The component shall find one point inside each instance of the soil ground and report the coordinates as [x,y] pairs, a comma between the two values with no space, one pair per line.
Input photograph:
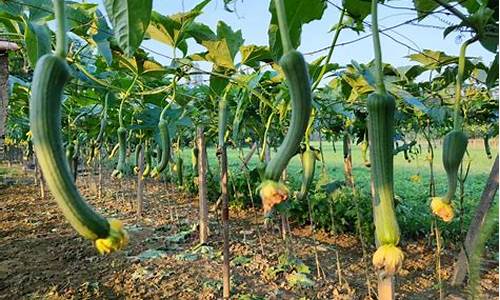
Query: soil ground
[41,256]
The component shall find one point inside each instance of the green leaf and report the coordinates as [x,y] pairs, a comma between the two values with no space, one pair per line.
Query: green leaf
[37,38]
[357,9]
[80,17]
[222,51]
[316,66]
[200,32]
[410,72]
[129,19]
[433,59]
[40,10]
[424,7]
[297,279]
[10,9]
[218,83]
[175,29]
[234,39]
[251,55]
[299,12]
[492,77]
[101,38]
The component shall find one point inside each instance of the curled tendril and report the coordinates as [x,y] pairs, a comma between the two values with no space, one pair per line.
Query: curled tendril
[116,240]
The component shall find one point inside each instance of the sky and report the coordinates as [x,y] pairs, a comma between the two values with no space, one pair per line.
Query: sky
[253,18]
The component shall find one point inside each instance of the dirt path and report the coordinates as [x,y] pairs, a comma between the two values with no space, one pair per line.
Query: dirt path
[41,257]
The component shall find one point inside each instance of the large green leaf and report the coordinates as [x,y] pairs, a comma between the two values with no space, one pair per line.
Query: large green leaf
[102,37]
[251,55]
[175,29]
[316,66]
[79,17]
[37,38]
[424,7]
[130,19]
[10,9]
[39,10]
[200,32]
[166,30]
[298,12]
[433,59]
[223,50]
[492,76]
[218,83]
[357,9]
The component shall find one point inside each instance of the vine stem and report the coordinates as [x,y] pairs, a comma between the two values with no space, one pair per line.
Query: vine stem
[379,71]
[460,78]
[264,140]
[340,26]
[127,93]
[309,129]
[283,26]
[61,44]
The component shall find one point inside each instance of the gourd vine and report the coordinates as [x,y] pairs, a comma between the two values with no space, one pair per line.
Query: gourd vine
[294,67]
[388,258]
[454,145]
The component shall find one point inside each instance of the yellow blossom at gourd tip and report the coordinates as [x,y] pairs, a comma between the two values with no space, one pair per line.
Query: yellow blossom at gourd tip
[388,258]
[442,209]
[272,193]
[116,240]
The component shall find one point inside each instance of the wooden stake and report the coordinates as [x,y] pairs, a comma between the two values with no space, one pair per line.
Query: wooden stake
[202,185]
[225,222]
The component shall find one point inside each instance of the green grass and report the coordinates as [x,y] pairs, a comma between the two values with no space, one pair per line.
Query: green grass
[413,197]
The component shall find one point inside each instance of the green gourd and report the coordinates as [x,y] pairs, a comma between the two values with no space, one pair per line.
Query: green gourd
[50,76]
[165,148]
[381,109]
[454,147]
[308,159]
[297,76]
[121,167]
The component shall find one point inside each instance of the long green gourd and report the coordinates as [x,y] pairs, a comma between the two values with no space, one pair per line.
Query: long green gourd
[179,167]
[297,77]
[308,159]
[147,158]
[294,67]
[49,78]
[165,148]
[121,166]
[104,119]
[137,153]
[487,148]
[381,106]
[454,147]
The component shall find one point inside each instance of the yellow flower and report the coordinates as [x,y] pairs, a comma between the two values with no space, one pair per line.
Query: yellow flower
[272,193]
[116,240]
[416,178]
[389,258]
[442,209]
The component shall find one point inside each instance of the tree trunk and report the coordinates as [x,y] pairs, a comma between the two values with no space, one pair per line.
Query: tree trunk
[202,185]
[140,185]
[476,224]
[4,97]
